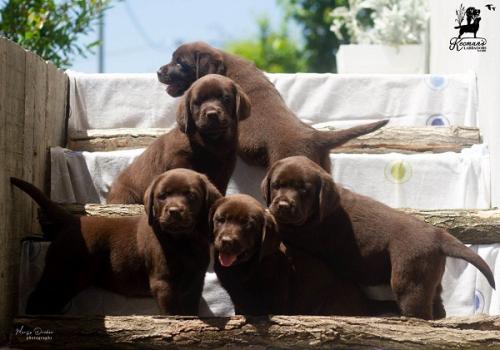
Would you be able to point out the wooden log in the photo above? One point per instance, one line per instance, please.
(471, 226)
(113, 139)
(468, 225)
(238, 332)
(401, 139)
(413, 140)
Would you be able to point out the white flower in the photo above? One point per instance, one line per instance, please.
(395, 22)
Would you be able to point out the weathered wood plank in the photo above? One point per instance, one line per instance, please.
(57, 90)
(42, 121)
(5, 308)
(469, 225)
(28, 121)
(238, 332)
(12, 84)
(392, 139)
(33, 103)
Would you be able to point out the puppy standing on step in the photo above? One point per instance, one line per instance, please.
(262, 277)
(273, 131)
(366, 240)
(205, 140)
(164, 252)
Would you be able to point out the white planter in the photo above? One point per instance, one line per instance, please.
(381, 59)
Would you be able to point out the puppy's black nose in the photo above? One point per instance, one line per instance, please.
(228, 244)
(213, 115)
(283, 205)
(175, 212)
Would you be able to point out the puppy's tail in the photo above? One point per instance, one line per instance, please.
(336, 138)
(55, 214)
(452, 247)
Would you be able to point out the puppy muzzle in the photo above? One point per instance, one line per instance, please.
(230, 251)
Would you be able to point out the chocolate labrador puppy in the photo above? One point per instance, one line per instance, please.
(205, 140)
(273, 131)
(164, 252)
(263, 277)
(368, 241)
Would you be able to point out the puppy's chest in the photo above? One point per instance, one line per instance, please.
(183, 259)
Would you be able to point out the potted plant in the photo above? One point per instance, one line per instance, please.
(386, 36)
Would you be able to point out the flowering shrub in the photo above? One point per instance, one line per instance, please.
(390, 22)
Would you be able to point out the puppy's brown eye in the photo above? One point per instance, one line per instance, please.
(162, 195)
(190, 195)
(220, 220)
(275, 186)
(250, 224)
(183, 66)
(226, 98)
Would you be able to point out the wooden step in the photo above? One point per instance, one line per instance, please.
(239, 332)
(469, 225)
(391, 139)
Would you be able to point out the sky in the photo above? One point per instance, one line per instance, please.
(140, 36)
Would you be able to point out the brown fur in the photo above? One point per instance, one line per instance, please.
(362, 238)
(163, 253)
(264, 277)
(273, 131)
(205, 140)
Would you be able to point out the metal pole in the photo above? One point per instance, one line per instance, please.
(101, 42)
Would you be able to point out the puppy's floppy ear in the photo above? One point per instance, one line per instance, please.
(211, 193)
(265, 188)
(209, 63)
(211, 213)
(149, 200)
(243, 105)
(329, 199)
(265, 185)
(184, 115)
(270, 240)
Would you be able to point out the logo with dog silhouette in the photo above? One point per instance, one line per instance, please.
(468, 20)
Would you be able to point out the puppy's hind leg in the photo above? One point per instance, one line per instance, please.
(414, 294)
(438, 307)
(54, 291)
(166, 297)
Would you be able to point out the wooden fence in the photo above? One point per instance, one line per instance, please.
(33, 105)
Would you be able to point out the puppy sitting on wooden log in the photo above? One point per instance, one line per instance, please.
(164, 252)
(363, 239)
(205, 140)
(262, 277)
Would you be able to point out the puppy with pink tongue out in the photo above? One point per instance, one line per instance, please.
(249, 263)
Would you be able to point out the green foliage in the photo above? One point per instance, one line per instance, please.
(272, 51)
(51, 28)
(321, 44)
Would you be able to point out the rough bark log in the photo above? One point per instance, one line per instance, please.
(469, 225)
(277, 332)
(402, 139)
(413, 140)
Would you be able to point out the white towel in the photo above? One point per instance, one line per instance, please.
(107, 101)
